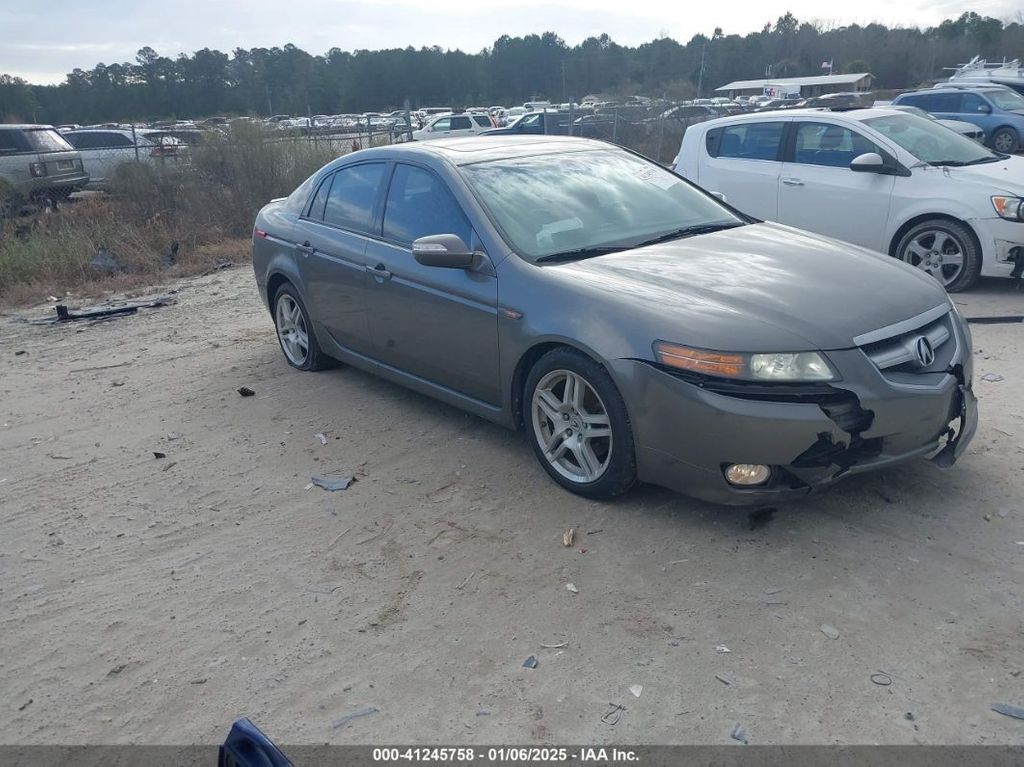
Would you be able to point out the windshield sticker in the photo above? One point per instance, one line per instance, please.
(546, 235)
(657, 177)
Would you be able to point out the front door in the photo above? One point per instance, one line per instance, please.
(818, 191)
(435, 323)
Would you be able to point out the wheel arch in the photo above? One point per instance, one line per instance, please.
(525, 364)
(274, 282)
(909, 224)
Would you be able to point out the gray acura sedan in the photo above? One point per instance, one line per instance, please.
(634, 326)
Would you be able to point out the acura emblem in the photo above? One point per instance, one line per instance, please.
(924, 351)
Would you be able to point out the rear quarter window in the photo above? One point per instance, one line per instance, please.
(46, 140)
(12, 142)
(747, 141)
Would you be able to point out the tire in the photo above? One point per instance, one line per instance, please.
(944, 249)
(601, 465)
(295, 331)
(1005, 141)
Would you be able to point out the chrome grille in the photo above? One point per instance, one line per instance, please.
(917, 352)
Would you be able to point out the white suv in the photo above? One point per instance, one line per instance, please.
(884, 179)
(104, 150)
(446, 126)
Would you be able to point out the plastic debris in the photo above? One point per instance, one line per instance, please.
(245, 391)
(105, 261)
(571, 588)
(20, 352)
(724, 679)
(992, 377)
(568, 537)
(773, 590)
(558, 646)
(322, 437)
(530, 662)
(1006, 709)
(881, 678)
(829, 630)
(613, 714)
(332, 483)
(341, 721)
(636, 689)
(158, 455)
(739, 733)
(722, 649)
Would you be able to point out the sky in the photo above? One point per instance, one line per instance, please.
(43, 41)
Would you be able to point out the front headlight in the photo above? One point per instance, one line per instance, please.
(1010, 208)
(779, 367)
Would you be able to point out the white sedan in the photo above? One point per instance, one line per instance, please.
(104, 150)
(881, 178)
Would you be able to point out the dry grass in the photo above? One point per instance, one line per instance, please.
(206, 205)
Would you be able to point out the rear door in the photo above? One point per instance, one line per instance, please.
(435, 323)
(462, 126)
(331, 237)
(818, 191)
(743, 161)
(102, 152)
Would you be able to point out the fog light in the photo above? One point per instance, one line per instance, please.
(747, 473)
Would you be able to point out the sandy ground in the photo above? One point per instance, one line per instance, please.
(155, 600)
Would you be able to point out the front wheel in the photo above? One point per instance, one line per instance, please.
(578, 425)
(944, 249)
(1005, 141)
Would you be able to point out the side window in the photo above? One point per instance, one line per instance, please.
(353, 193)
(10, 142)
(943, 102)
(316, 208)
(482, 121)
(751, 141)
(108, 140)
(461, 123)
(830, 145)
(445, 123)
(971, 103)
(915, 100)
(80, 140)
(419, 204)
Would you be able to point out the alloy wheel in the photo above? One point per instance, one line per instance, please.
(938, 253)
(1003, 142)
(572, 427)
(291, 330)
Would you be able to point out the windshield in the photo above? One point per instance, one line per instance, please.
(47, 140)
(1006, 99)
(930, 141)
(551, 204)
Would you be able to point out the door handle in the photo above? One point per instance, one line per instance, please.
(792, 182)
(379, 272)
(305, 248)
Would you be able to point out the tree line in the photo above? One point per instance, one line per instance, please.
(288, 80)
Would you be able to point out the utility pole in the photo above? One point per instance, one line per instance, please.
(700, 77)
(270, 109)
(563, 81)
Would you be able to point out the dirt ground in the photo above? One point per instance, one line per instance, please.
(154, 600)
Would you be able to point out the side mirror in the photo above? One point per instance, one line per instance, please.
(721, 196)
(984, 108)
(869, 162)
(444, 250)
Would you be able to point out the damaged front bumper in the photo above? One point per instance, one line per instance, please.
(686, 431)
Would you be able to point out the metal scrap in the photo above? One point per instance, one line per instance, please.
(100, 313)
(1006, 709)
(331, 482)
(340, 721)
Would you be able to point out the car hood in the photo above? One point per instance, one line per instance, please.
(760, 287)
(1003, 176)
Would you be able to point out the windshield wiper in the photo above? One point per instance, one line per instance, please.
(579, 254)
(964, 163)
(688, 231)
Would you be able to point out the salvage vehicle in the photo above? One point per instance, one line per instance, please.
(104, 150)
(880, 178)
(996, 109)
(453, 125)
(35, 162)
(632, 324)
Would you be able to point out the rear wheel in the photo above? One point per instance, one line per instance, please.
(1005, 140)
(578, 425)
(295, 331)
(944, 249)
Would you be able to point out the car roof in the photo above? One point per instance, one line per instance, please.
(957, 89)
(474, 149)
(855, 115)
(27, 126)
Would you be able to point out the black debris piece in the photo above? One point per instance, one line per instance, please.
(739, 733)
(613, 714)
(157, 454)
(245, 391)
(20, 352)
(530, 662)
(100, 313)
